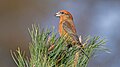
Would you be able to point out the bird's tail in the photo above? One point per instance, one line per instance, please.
(81, 47)
(79, 44)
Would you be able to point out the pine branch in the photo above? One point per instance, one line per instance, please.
(43, 55)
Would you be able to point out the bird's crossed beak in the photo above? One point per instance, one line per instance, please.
(58, 14)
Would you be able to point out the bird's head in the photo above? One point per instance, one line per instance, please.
(64, 14)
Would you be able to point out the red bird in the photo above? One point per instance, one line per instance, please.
(67, 28)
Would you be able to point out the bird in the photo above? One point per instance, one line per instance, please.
(67, 28)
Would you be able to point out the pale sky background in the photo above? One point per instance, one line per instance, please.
(91, 17)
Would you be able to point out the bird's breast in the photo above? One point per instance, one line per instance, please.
(61, 30)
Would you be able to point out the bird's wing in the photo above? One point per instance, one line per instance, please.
(69, 28)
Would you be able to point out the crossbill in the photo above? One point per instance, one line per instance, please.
(67, 28)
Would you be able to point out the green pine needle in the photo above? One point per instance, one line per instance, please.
(60, 56)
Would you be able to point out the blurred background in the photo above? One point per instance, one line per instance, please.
(91, 17)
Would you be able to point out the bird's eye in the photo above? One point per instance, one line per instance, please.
(62, 12)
